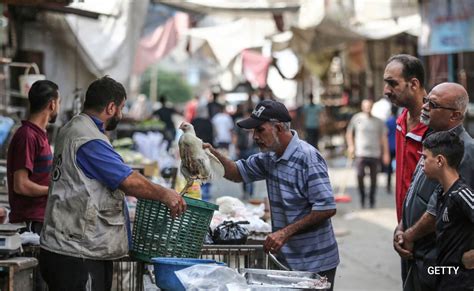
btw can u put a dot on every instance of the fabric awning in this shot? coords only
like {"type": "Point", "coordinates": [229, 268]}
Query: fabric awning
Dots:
{"type": "Point", "coordinates": [228, 40]}
{"type": "Point", "coordinates": [237, 8]}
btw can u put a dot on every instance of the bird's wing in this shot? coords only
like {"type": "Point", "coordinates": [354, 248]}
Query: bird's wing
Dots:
{"type": "Point", "coordinates": [185, 158]}
{"type": "Point", "coordinates": [216, 165]}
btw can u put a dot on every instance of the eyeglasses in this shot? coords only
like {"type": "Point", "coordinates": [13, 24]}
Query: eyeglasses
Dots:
{"type": "Point", "coordinates": [433, 105]}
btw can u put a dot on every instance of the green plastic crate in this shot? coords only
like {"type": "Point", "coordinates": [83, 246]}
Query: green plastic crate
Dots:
{"type": "Point", "coordinates": [155, 234]}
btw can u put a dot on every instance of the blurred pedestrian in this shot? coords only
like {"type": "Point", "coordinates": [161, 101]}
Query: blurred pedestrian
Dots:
{"type": "Point", "coordinates": [367, 142]}
{"type": "Point", "coordinates": [391, 124]}
{"type": "Point", "coordinates": [239, 112]}
{"type": "Point", "coordinates": [245, 147]}
{"type": "Point", "coordinates": [165, 114]}
{"type": "Point", "coordinates": [190, 109]}
{"type": "Point", "coordinates": [382, 108]}
{"type": "Point", "coordinates": [223, 127]}
{"type": "Point", "coordinates": [202, 124]}
{"type": "Point", "coordinates": [214, 106]}
{"type": "Point", "coordinates": [312, 114]}
{"type": "Point", "coordinates": [442, 154]}
{"type": "Point", "coordinates": [205, 131]}
{"type": "Point", "coordinates": [404, 79]}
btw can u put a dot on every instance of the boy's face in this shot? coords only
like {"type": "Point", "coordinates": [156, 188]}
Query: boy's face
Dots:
{"type": "Point", "coordinates": [430, 164]}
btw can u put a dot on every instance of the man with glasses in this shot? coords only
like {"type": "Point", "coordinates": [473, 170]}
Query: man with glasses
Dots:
{"type": "Point", "coordinates": [300, 194]}
{"type": "Point", "coordinates": [404, 79]}
{"type": "Point", "coordinates": [414, 238]}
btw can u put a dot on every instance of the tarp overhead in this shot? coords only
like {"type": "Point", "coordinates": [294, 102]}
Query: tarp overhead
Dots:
{"type": "Point", "coordinates": [161, 42]}
{"type": "Point", "coordinates": [381, 29]}
{"type": "Point", "coordinates": [107, 45]}
{"type": "Point", "coordinates": [320, 26]}
{"type": "Point", "coordinates": [229, 40]}
{"type": "Point", "coordinates": [368, 10]}
{"type": "Point", "coordinates": [234, 7]}
{"type": "Point", "coordinates": [331, 34]}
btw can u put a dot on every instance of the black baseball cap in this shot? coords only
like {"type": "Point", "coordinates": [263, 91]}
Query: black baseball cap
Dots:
{"type": "Point", "coordinates": [267, 110]}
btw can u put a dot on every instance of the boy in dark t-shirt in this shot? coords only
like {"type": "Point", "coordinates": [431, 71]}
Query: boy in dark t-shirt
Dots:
{"type": "Point", "coordinates": [442, 154]}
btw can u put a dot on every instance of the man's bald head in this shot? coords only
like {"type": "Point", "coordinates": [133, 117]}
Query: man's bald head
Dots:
{"type": "Point", "coordinates": [445, 107]}
{"type": "Point", "coordinates": [454, 94]}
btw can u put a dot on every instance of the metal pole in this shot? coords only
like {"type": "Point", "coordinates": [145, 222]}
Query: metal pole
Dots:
{"type": "Point", "coordinates": [154, 84]}
{"type": "Point", "coordinates": [451, 76]}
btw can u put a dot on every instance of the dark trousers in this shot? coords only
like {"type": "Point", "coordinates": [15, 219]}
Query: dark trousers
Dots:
{"type": "Point", "coordinates": [70, 273]}
{"type": "Point", "coordinates": [373, 164]}
{"type": "Point", "coordinates": [247, 187]}
{"type": "Point", "coordinates": [415, 275]}
{"type": "Point", "coordinates": [389, 171]}
{"type": "Point", "coordinates": [312, 136]}
{"type": "Point", "coordinates": [32, 226]}
{"type": "Point", "coordinates": [35, 227]}
{"type": "Point", "coordinates": [463, 280]}
{"type": "Point", "coordinates": [331, 275]}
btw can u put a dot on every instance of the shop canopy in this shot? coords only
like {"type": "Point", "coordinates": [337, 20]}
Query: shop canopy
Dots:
{"type": "Point", "coordinates": [237, 8]}
{"type": "Point", "coordinates": [107, 44]}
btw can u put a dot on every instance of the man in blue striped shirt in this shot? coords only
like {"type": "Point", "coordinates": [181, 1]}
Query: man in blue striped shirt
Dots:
{"type": "Point", "coordinates": [299, 190]}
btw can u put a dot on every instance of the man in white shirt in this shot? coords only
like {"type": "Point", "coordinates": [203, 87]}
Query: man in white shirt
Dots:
{"type": "Point", "coordinates": [223, 126]}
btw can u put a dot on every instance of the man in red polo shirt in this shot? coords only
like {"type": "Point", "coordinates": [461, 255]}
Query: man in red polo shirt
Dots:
{"type": "Point", "coordinates": [404, 79]}
{"type": "Point", "coordinates": [30, 159]}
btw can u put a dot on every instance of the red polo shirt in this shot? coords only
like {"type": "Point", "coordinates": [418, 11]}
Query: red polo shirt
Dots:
{"type": "Point", "coordinates": [407, 153]}
{"type": "Point", "coordinates": [29, 149]}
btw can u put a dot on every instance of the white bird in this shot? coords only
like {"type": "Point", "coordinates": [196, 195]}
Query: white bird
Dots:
{"type": "Point", "coordinates": [196, 163]}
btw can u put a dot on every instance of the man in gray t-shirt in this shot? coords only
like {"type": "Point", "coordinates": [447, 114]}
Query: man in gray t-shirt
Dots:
{"type": "Point", "coordinates": [367, 141]}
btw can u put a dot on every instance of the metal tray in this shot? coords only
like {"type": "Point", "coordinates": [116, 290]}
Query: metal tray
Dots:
{"type": "Point", "coordinates": [260, 279]}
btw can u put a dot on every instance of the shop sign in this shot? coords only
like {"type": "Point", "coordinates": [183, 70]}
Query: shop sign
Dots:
{"type": "Point", "coordinates": [447, 27]}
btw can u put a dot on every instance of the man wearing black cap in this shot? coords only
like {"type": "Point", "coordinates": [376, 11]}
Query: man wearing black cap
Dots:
{"type": "Point", "coordinates": [299, 190]}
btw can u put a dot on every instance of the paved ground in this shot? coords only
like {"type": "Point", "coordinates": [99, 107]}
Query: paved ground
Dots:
{"type": "Point", "coordinates": [368, 261]}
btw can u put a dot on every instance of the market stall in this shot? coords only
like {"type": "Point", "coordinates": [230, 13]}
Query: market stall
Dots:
{"type": "Point", "coordinates": [227, 236]}
{"type": "Point", "coordinates": [238, 260]}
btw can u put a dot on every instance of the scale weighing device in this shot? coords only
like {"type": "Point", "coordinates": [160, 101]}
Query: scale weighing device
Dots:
{"type": "Point", "coordinates": [10, 241]}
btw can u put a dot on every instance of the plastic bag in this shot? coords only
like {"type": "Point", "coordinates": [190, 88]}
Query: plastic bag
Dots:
{"type": "Point", "coordinates": [211, 278]}
{"type": "Point", "coordinates": [29, 238]}
{"type": "Point", "coordinates": [27, 80]}
{"type": "Point", "coordinates": [208, 237]}
{"type": "Point", "coordinates": [231, 233]}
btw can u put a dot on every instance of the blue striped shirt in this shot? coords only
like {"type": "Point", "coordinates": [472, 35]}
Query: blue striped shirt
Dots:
{"type": "Point", "coordinates": [297, 183]}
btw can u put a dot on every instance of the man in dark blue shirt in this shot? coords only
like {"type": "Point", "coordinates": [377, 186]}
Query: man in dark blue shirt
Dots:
{"type": "Point", "coordinates": [85, 219]}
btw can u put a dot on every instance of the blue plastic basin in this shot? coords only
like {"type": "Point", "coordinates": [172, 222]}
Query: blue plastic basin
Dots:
{"type": "Point", "coordinates": [164, 269]}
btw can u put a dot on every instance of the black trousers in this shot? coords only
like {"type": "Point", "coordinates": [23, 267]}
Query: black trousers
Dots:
{"type": "Point", "coordinates": [331, 275]}
{"type": "Point", "coordinates": [70, 273]}
{"type": "Point", "coordinates": [312, 136]}
{"type": "Point", "coordinates": [373, 165]}
{"type": "Point", "coordinates": [415, 276]}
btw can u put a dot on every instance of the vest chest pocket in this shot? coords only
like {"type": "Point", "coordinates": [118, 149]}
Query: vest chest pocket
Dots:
{"type": "Point", "coordinates": [112, 216]}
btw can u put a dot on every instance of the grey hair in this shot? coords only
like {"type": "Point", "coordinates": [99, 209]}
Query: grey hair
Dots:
{"type": "Point", "coordinates": [286, 125]}
{"type": "Point", "coordinates": [461, 103]}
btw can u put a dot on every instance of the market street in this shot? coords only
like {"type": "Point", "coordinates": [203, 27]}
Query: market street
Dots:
{"type": "Point", "coordinates": [368, 261]}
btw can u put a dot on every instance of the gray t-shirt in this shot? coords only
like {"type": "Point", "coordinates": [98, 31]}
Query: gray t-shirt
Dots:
{"type": "Point", "coordinates": [368, 132]}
